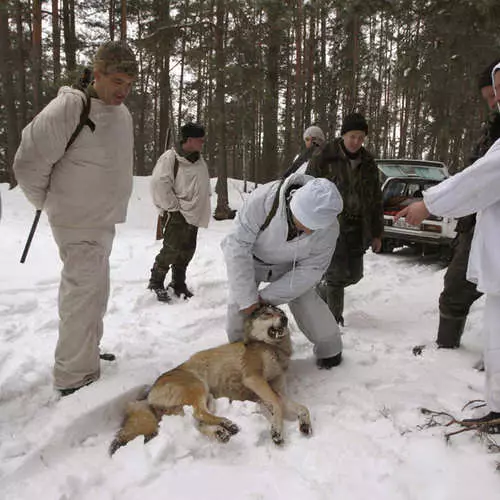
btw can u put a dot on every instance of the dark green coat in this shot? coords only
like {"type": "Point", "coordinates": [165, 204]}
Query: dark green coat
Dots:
{"type": "Point", "coordinates": [362, 182]}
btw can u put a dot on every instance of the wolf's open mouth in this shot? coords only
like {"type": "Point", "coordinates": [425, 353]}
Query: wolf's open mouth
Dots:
{"type": "Point", "coordinates": [275, 333]}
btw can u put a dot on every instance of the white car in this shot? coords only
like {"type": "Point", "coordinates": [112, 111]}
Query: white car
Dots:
{"type": "Point", "coordinates": [403, 182]}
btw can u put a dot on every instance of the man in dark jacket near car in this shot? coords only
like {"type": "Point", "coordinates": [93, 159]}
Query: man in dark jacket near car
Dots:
{"type": "Point", "coordinates": [458, 294]}
{"type": "Point", "coordinates": [346, 163]}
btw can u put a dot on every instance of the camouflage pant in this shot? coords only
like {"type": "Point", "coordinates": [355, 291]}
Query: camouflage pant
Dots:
{"type": "Point", "coordinates": [458, 294]}
{"type": "Point", "coordinates": [179, 243]}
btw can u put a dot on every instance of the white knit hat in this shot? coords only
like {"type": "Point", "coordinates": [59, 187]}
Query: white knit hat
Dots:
{"type": "Point", "coordinates": [316, 204]}
{"type": "Point", "coordinates": [315, 133]}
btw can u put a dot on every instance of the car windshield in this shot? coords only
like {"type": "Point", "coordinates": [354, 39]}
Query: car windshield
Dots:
{"type": "Point", "coordinates": [413, 170]}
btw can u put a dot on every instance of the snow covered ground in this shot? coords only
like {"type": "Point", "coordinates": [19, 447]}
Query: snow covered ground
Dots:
{"type": "Point", "coordinates": [367, 441]}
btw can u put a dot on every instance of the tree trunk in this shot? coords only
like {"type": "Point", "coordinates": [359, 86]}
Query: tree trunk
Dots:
{"type": "Point", "coordinates": [111, 20]}
{"type": "Point", "coordinates": [20, 59]}
{"type": "Point", "coordinates": [56, 42]}
{"type": "Point", "coordinates": [69, 35]}
{"type": "Point", "coordinates": [36, 55]}
{"type": "Point", "coordinates": [9, 94]}
{"type": "Point", "coordinates": [123, 21]}
{"type": "Point", "coordinates": [269, 164]}
{"type": "Point", "coordinates": [222, 211]}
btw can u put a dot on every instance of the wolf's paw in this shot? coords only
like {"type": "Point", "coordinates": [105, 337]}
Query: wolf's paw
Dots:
{"type": "Point", "coordinates": [115, 445]}
{"type": "Point", "coordinates": [231, 427]}
{"type": "Point", "coordinates": [305, 428]}
{"type": "Point", "coordinates": [277, 437]}
{"type": "Point", "coordinates": [222, 435]}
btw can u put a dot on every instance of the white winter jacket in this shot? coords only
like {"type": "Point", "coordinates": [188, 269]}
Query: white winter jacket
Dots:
{"type": "Point", "coordinates": [247, 246]}
{"type": "Point", "coordinates": [189, 194]}
{"type": "Point", "coordinates": [89, 185]}
{"type": "Point", "coordinates": [475, 189]}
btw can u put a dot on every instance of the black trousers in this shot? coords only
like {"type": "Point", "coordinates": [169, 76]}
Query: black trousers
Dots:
{"type": "Point", "coordinates": [458, 294]}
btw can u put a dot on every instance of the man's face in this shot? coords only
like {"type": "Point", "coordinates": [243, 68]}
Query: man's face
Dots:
{"type": "Point", "coordinates": [497, 87]}
{"type": "Point", "coordinates": [194, 144]}
{"type": "Point", "coordinates": [488, 95]}
{"type": "Point", "coordinates": [113, 88]}
{"type": "Point", "coordinates": [353, 140]}
{"type": "Point", "coordinates": [301, 227]}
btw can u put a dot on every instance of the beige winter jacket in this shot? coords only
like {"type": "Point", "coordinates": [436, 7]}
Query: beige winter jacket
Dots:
{"type": "Point", "coordinates": [189, 194]}
{"type": "Point", "coordinates": [89, 185]}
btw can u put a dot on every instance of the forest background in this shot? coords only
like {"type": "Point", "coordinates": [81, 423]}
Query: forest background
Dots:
{"type": "Point", "coordinates": [257, 73]}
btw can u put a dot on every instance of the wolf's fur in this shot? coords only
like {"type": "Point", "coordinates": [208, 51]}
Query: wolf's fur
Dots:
{"type": "Point", "coordinates": [252, 370]}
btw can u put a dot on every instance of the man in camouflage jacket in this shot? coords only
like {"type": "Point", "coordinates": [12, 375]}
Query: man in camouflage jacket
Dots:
{"type": "Point", "coordinates": [345, 162]}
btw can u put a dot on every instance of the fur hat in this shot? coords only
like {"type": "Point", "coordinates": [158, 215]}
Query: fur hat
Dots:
{"type": "Point", "coordinates": [191, 130]}
{"type": "Point", "coordinates": [354, 121]}
{"type": "Point", "coordinates": [315, 132]}
{"type": "Point", "coordinates": [316, 204]}
{"type": "Point", "coordinates": [116, 57]}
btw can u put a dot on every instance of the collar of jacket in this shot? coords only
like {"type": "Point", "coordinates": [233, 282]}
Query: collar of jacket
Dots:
{"type": "Point", "coordinates": [92, 92]}
{"type": "Point", "coordinates": [192, 156]}
{"type": "Point", "coordinates": [338, 151]}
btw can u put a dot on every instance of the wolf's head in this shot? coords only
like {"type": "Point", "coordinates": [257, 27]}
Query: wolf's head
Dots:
{"type": "Point", "coordinates": [267, 324]}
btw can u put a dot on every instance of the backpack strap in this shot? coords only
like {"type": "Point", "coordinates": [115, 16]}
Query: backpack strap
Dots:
{"type": "Point", "coordinates": [176, 166]}
{"type": "Point", "coordinates": [84, 120]}
{"type": "Point", "coordinates": [274, 208]}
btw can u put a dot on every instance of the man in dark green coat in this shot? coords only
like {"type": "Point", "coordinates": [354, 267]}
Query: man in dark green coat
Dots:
{"type": "Point", "coordinates": [345, 162]}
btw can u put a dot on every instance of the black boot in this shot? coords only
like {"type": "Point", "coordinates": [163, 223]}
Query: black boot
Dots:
{"type": "Point", "coordinates": [156, 283]}
{"type": "Point", "coordinates": [178, 283]}
{"type": "Point", "coordinates": [335, 300]}
{"type": "Point", "coordinates": [328, 363]}
{"type": "Point", "coordinates": [450, 332]}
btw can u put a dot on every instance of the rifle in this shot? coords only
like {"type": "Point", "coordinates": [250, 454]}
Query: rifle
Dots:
{"type": "Point", "coordinates": [160, 222]}
{"type": "Point", "coordinates": [30, 236]}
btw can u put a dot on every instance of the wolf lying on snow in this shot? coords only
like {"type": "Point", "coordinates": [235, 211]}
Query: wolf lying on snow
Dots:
{"type": "Point", "coordinates": [252, 370]}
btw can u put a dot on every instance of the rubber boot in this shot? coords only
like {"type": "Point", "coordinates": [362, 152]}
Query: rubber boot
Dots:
{"type": "Point", "coordinates": [335, 300]}
{"type": "Point", "coordinates": [450, 332]}
{"type": "Point", "coordinates": [178, 283]}
{"type": "Point", "coordinates": [156, 283]}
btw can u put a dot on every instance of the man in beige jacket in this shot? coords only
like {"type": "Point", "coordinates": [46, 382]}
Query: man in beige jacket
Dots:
{"type": "Point", "coordinates": [180, 187]}
{"type": "Point", "coordinates": [85, 191]}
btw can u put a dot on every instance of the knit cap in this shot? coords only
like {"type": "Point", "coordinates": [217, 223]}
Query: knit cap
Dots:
{"type": "Point", "coordinates": [316, 204]}
{"type": "Point", "coordinates": [354, 121]}
{"type": "Point", "coordinates": [315, 132]}
{"type": "Point", "coordinates": [191, 130]}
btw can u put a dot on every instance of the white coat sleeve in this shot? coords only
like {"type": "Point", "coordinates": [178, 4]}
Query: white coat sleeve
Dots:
{"type": "Point", "coordinates": [43, 143]}
{"type": "Point", "coordinates": [469, 191]}
{"type": "Point", "coordinates": [237, 248]}
{"type": "Point", "coordinates": [162, 183]}
{"type": "Point", "coordinates": [307, 271]}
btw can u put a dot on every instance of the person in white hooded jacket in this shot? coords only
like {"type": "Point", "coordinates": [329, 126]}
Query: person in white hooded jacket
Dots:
{"type": "Point", "coordinates": [476, 189]}
{"type": "Point", "coordinates": [285, 235]}
{"type": "Point", "coordinates": [84, 190]}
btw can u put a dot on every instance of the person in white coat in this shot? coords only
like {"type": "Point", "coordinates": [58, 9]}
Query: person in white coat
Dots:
{"type": "Point", "coordinates": [84, 189]}
{"type": "Point", "coordinates": [180, 188]}
{"type": "Point", "coordinates": [285, 235]}
{"type": "Point", "coordinates": [476, 189]}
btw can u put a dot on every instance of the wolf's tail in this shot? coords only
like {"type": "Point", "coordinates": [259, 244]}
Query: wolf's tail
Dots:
{"type": "Point", "coordinates": [139, 420]}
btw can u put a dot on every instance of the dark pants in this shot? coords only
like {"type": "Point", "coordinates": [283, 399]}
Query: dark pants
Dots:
{"type": "Point", "coordinates": [179, 243]}
{"type": "Point", "coordinates": [346, 267]}
{"type": "Point", "coordinates": [458, 294]}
